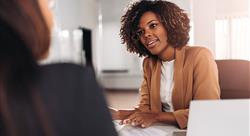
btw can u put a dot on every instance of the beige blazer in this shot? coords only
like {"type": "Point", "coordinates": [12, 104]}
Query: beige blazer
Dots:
{"type": "Point", "coordinates": [195, 77]}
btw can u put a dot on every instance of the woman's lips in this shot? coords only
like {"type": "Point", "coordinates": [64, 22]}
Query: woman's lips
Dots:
{"type": "Point", "coordinates": [152, 43]}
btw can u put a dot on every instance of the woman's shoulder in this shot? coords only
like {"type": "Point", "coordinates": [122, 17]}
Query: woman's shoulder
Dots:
{"type": "Point", "coordinates": [196, 51]}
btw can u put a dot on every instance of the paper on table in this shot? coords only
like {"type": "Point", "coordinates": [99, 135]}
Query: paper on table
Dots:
{"type": "Point", "coordinates": [154, 130]}
{"type": "Point", "coordinates": [118, 127]}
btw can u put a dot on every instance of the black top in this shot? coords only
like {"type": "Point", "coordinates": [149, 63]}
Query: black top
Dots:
{"type": "Point", "coordinates": [74, 101]}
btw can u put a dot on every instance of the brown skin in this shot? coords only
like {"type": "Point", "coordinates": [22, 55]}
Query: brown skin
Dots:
{"type": "Point", "coordinates": [48, 16]}
{"type": "Point", "coordinates": [146, 119]}
{"type": "Point", "coordinates": [121, 114]}
{"type": "Point", "coordinates": [47, 13]}
{"type": "Point", "coordinates": [153, 36]}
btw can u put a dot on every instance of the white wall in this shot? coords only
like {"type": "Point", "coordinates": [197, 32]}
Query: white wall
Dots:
{"type": "Point", "coordinates": [73, 13]}
{"type": "Point", "coordinates": [232, 7]}
{"type": "Point", "coordinates": [184, 4]}
{"type": "Point", "coordinates": [114, 56]}
{"type": "Point", "coordinates": [203, 17]}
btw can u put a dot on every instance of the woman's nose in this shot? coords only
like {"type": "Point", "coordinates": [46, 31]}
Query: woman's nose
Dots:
{"type": "Point", "coordinates": [147, 33]}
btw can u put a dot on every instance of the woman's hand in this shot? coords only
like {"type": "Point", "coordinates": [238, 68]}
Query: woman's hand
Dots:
{"type": "Point", "coordinates": [142, 119]}
{"type": "Point", "coordinates": [114, 113]}
{"type": "Point", "coordinates": [120, 114]}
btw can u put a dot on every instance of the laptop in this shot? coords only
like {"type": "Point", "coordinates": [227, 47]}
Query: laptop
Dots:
{"type": "Point", "coordinates": [219, 118]}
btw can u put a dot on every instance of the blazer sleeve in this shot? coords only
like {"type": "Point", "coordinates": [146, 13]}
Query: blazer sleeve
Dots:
{"type": "Point", "coordinates": [205, 83]}
{"type": "Point", "coordinates": [144, 104]}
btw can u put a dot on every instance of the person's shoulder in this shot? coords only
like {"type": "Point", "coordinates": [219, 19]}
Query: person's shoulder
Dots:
{"type": "Point", "coordinates": [65, 71]}
{"type": "Point", "coordinates": [195, 51]}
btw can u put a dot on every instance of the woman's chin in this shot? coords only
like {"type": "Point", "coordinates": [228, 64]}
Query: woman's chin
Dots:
{"type": "Point", "coordinates": [154, 52]}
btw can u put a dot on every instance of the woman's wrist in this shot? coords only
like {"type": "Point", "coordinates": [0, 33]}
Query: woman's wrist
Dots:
{"type": "Point", "coordinates": [165, 117]}
{"type": "Point", "coordinates": [125, 113]}
{"type": "Point", "coordinates": [158, 117]}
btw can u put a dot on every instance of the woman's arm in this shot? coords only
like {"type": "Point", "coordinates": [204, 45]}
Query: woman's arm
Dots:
{"type": "Point", "coordinates": [166, 117]}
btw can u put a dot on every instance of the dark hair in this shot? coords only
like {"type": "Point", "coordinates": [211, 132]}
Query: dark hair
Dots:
{"type": "Point", "coordinates": [25, 38]}
{"type": "Point", "coordinates": [174, 20]}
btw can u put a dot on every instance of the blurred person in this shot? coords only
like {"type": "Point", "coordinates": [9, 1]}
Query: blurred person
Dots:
{"type": "Point", "coordinates": [58, 99]}
{"type": "Point", "coordinates": [174, 73]}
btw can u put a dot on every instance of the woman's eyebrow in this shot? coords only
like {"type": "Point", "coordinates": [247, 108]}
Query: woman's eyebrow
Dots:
{"type": "Point", "coordinates": [147, 23]}
{"type": "Point", "coordinates": [152, 21]}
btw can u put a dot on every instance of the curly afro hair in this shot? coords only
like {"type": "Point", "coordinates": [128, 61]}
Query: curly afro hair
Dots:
{"type": "Point", "coordinates": [173, 18]}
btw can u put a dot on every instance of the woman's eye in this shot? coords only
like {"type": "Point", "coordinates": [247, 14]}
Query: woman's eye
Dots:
{"type": "Point", "coordinates": [152, 25]}
{"type": "Point", "coordinates": [139, 32]}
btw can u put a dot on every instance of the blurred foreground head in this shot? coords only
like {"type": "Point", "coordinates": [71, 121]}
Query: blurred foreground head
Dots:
{"type": "Point", "coordinates": [25, 23]}
{"type": "Point", "coordinates": [24, 39]}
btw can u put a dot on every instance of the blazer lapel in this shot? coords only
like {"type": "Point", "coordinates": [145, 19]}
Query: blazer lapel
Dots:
{"type": "Point", "coordinates": [155, 86]}
{"type": "Point", "coordinates": [177, 95]}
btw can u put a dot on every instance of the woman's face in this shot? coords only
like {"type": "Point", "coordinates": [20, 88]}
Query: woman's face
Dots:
{"type": "Point", "coordinates": [152, 33]}
{"type": "Point", "coordinates": [47, 13]}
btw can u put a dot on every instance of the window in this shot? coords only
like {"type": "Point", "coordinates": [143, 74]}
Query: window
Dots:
{"type": "Point", "coordinates": [233, 38]}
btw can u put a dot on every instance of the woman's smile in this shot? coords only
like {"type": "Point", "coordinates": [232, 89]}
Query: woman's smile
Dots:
{"type": "Point", "coordinates": [152, 43]}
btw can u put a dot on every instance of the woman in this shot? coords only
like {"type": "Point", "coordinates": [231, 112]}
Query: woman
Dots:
{"type": "Point", "coordinates": [33, 101]}
{"type": "Point", "coordinates": [174, 73]}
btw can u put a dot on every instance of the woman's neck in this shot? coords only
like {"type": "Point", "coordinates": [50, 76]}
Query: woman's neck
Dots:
{"type": "Point", "coordinates": [168, 54]}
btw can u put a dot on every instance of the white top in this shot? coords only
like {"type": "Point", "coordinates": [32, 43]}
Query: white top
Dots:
{"type": "Point", "coordinates": [166, 85]}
